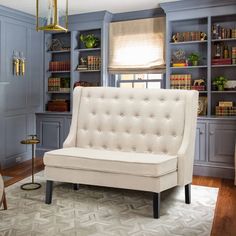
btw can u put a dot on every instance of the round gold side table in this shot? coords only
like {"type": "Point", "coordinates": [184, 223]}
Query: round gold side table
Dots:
{"type": "Point", "coordinates": [32, 185]}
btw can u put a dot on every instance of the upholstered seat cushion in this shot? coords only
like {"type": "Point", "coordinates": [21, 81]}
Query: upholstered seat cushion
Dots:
{"type": "Point", "coordinates": [132, 163]}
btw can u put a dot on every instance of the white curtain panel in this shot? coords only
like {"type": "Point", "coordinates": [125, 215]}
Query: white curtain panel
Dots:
{"type": "Point", "coordinates": [137, 44]}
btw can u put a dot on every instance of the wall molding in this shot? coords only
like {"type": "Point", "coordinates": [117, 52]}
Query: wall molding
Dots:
{"type": "Point", "coordinates": [135, 15]}
{"type": "Point", "coordinates": [17, 15]}
{"type": "Point", "coordinates": [194, 4]}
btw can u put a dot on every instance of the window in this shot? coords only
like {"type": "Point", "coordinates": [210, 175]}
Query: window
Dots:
{"type": "Point", "coordinates": [149, 81]}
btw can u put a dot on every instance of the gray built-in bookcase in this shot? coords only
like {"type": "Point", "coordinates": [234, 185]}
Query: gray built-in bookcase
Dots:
{"type": "Point", "coordinates": [205, 70]}
{"type": "Point", "coordinates": [71, 53]}
{"type": "Point", "coordinates": [53, 126]}
{"type": "Point", "coordinates": [216, 135]}
{"type": "Point", "coordinates": [91, 75]}
{"type": "Point", "coordinates": [57, 55]}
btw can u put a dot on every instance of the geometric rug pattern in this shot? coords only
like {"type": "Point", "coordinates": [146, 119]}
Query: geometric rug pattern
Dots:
{"type": "Point", "coordinates": [99, 211]}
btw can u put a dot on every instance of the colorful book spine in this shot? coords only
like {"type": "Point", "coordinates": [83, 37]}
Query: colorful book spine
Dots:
{"type": "Point", "coordinates": [233, 55]}
{"type": "Point", "coordinates": [225, 111]}
{"type": "Point", "coordinates": [180, 81]}
{"type": "Point", "coordinates": [59, 66]}
{"type": "Point", "coordinates": [94, 62]}
{"type": "Point", "coordinates": [58, 84]}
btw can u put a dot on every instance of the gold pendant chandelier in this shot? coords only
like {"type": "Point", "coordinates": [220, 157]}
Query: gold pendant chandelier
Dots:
{"type": "Point", "coordinates": [52, 15]}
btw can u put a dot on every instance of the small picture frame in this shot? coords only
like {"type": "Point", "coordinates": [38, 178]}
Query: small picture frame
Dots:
{"type": "Point", "coordinates": [202, 106]}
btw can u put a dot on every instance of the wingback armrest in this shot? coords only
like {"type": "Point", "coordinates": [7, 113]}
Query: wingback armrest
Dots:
{"type": "Point", "coordinates": [187, 148]}
{"type": "Point", "coordinates": [71, 138]}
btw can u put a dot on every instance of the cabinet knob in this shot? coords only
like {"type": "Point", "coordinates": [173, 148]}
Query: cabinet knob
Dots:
{"type": "Point", "coordinates": [211, 133]}
{"type": "Point", "coordinates": [202, 132]}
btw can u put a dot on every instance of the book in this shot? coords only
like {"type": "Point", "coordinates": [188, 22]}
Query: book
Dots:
{"type": "Point", "coordinates": [180, 81]}
{"type": "Point", "coordinates": [225, 104]}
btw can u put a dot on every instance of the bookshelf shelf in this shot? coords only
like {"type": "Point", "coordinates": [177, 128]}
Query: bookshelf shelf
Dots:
{"type": "Point", "coordinates": [87, 49]}
{"type": "Point", "coordinates": [225, 91]}
{"type": "Point", "coordinates": [188, 42]}
{"type": "Point", "coordinates": [188, 67]}
{"type": "Point", "coordinates": [61, 51]}
{"type": "Point", "coordinates": [223, 40]}
{"type": "Point", "coordinates": [88, 71]}
{"type": "Point", "coordinates": [57, 92]}
{"type": "Point", "coordinates": [224, 117]}
{"type": "Point", "coordinates": [63, 71]}
{"type": "Point", "coordinates": [230, 65]}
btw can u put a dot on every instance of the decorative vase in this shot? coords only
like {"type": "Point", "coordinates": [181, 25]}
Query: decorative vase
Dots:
{"type": "Point", "coordinates": [90, 44]}
{"type": "Point", "coordinates": [194, 63]}
{"type": "Point", "coordinates": [220, 87]}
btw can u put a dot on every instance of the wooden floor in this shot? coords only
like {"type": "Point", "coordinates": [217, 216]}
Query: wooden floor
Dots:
{"type": "Point", "coordinates": [224, 223]}
{"type": "Point", "coordinates": [22, 171]}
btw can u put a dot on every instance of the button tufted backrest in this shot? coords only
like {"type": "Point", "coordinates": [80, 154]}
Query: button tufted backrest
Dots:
{"type": "Point", "coordinates": [133, 120]}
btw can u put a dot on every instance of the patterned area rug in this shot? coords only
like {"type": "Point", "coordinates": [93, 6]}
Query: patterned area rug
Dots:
{"type": "Point", "coordinates": [98, 211]}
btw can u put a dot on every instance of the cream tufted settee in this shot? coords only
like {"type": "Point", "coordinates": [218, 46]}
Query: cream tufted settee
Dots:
{"type": "Point", "coordinates": [128, 138]}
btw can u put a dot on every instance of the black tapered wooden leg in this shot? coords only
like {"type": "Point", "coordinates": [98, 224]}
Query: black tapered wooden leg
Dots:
{"type": "Point", "coordinates": [156, 205]}
{"type": "Point", "coordinates": [4, 200]}
{"type": "Point", "coordinates": [49, 187]}
{"type": "Point", "coordinates": [76, 186]}
{"type": "Point", "coordinates": [188, 193]}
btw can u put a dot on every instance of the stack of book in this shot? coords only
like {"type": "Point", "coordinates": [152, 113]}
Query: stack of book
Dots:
{"type": "Point", "coordinates": [187, 36]}
{"type": "Point", "coordinates": [179, 64]}
{"type": "Point", "coordinates": [182, 81]}
{"type": "Point", "coordinates": [59, 105]}
{"type": "Point", "coordinates": [221, 61]}
{"type": "Point", "coordinates": [219, 32]}
{"type": "Point", "coordinates": [233, 33]}
{"type": "Point", "coordinates": [195, 36]}
{"type": "Point", "coordinates": [225, 108]}
{"type": "Point", "coordinates": [94, 62]}
{"type": "Point", "coordinates": [59, 84]}
{"type": "Point", "coordinates": [59, 66]}
{"type": "Point", "coordinates": [82, 67]}
{"type": "Point", "coordinates": [233, 55]}
{"type": "Point", "coordinates": [198, 87]}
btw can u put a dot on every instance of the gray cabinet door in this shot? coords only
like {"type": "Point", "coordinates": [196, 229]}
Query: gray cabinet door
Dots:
{"type": "Point", "coordinates": [50, 131]}
{"type": "Point", "coordinates": [200, 143]}
{"type": "Point", "coordinates": [221, 143]}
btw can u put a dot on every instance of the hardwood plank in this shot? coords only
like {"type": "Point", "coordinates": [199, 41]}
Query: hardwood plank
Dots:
{"type": "Point", "coordinates": [22, 170]}
{"type": "Point", "coordinates": [207, 181]}
{"type": "Point", "coordinates": [225, 213]}
{"type": "Point", "coordinates": [224, 222]}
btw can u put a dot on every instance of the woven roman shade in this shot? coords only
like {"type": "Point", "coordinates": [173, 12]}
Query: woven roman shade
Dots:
{"type": "Point", "coordinates": [137, 46]}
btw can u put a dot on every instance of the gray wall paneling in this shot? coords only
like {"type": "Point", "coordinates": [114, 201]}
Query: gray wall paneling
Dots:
{"type": "Point", "coordinates": [22, 95]}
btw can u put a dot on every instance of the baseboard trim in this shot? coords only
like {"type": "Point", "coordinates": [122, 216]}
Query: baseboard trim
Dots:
{"type": "Point", "coordinates": [211, 171]}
